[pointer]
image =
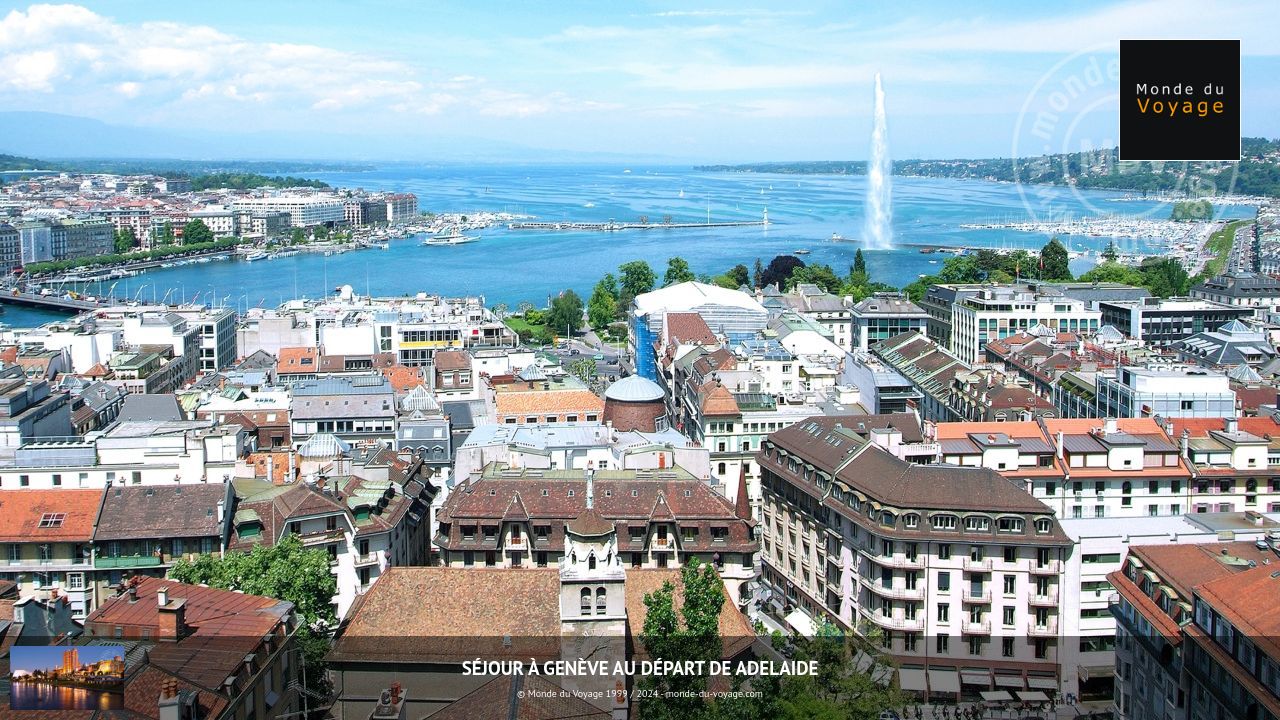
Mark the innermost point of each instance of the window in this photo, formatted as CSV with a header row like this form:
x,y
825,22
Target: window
x,y
944,551
1010,554
944,613
941,646
24,481
944,581
585,602
1043,526
1011,525
490,558
1010,584
1006,646
51,520
57,480
1008,617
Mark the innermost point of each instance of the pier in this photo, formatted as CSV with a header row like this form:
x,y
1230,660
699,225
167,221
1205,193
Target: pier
x,y
612,226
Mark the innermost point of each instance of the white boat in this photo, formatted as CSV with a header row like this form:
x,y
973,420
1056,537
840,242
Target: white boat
x,y
452,238
255,255
836,237
589,205
802,252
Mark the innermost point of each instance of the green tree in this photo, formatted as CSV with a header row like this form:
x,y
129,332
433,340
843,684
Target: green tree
x,y
565,313
166,235
297,236
602,308
739,274
1111,254
584,368
196,232
757,274
1054,261
1165,277
637,278
321,232
779,271
853,678
286,571
665,637
821,275
859,262
125,241
677,272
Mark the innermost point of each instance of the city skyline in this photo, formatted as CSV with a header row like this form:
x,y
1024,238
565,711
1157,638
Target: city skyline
x,y
711,82
29,659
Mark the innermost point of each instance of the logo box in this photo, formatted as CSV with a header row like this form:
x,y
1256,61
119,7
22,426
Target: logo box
x,y
1180,100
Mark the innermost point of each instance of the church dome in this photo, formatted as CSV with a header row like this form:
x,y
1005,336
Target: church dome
x,y
634,389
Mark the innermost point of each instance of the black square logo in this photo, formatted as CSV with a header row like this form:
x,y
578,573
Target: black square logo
x,y
1179,99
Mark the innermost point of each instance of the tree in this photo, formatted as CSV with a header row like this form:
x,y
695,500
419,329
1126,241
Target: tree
x,y
565,313
1113,272
757,274
821,275
196,232
286,571
602,308
501,310
321,232
677,272
125,241
297,236
696,639
852,679
1054,261
1110,254
1165,277
637,278
739,275
166,235
859,262
584,368
779,271
523,308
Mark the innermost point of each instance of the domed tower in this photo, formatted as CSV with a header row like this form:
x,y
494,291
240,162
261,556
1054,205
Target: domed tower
x,y
635,403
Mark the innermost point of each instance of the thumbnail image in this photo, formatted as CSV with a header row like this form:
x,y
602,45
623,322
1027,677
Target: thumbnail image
x,y
66,678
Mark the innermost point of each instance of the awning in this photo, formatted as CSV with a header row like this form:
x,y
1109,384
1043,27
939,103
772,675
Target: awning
x,y
1033,696
801,623
911,679
975,677
996,696
944,681
1014,681
1044,683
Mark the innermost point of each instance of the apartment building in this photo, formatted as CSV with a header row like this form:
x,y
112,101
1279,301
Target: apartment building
x,y
957,568
813,303
1235,463
517,517
48,544
401,207
1164,390
1195,629
352,408
30,410
930,368
882,316
1164,321
10,248
1255,291
304,210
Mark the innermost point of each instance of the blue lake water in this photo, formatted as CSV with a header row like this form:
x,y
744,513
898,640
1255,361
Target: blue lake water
x,y
514,265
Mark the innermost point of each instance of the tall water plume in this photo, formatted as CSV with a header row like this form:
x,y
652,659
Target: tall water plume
x,y
877,233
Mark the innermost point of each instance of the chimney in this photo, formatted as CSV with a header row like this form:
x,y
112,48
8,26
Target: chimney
x,y
1058,451
1232,424
173,620
391,704
1185,443
222,510
133,595
591,485
162,595
175,704
1110,426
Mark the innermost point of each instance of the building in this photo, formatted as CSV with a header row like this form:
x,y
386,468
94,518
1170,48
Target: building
x,y
1229,346
304,210
828,310
1164,390
133,216
997,312
30,410
10,248
209,654
1164,321
929,367
515,517
635,403
422,624
352,408
880,388
1235,463
724,311
47,537
401,207
531,397
264,223
1260,293
451,374
143,530
1195,629
366,523
65,239
882,316
222,222
958,568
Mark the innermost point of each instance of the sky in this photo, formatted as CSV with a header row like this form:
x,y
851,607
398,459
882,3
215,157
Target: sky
x,y
688,80
26,658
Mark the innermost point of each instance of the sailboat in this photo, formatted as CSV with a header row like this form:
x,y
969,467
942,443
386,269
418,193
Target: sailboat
x,y
681,192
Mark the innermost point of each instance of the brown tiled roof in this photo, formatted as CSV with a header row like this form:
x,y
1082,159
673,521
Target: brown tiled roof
x,y
452,360
1248,600
98,371
402,378
687,328
717,400
279,467
549,402
143,691
589,524
736,633
421,614
297,360
160,512
22,513
1200,427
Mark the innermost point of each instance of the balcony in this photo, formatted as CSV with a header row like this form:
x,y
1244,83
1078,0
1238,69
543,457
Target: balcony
x,y
893,561
517,543
982,627
368,559
1043,600
663,544
897,623
50,564
896,593
1048,628
1052,567
977,596
972,565
323,537
128,561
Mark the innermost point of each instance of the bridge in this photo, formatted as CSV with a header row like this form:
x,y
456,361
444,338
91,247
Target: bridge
x,y
52,302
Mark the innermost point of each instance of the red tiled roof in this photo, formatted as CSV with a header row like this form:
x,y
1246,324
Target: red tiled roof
x,y
685,328
452,360
402,378
1200,427
33,515
297,360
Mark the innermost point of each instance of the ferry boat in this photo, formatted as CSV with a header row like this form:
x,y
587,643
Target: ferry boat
x,y
802,252
836,237
452,238
255,255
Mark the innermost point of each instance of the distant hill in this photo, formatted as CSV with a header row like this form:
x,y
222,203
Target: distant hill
x,y
1259,170
15,162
